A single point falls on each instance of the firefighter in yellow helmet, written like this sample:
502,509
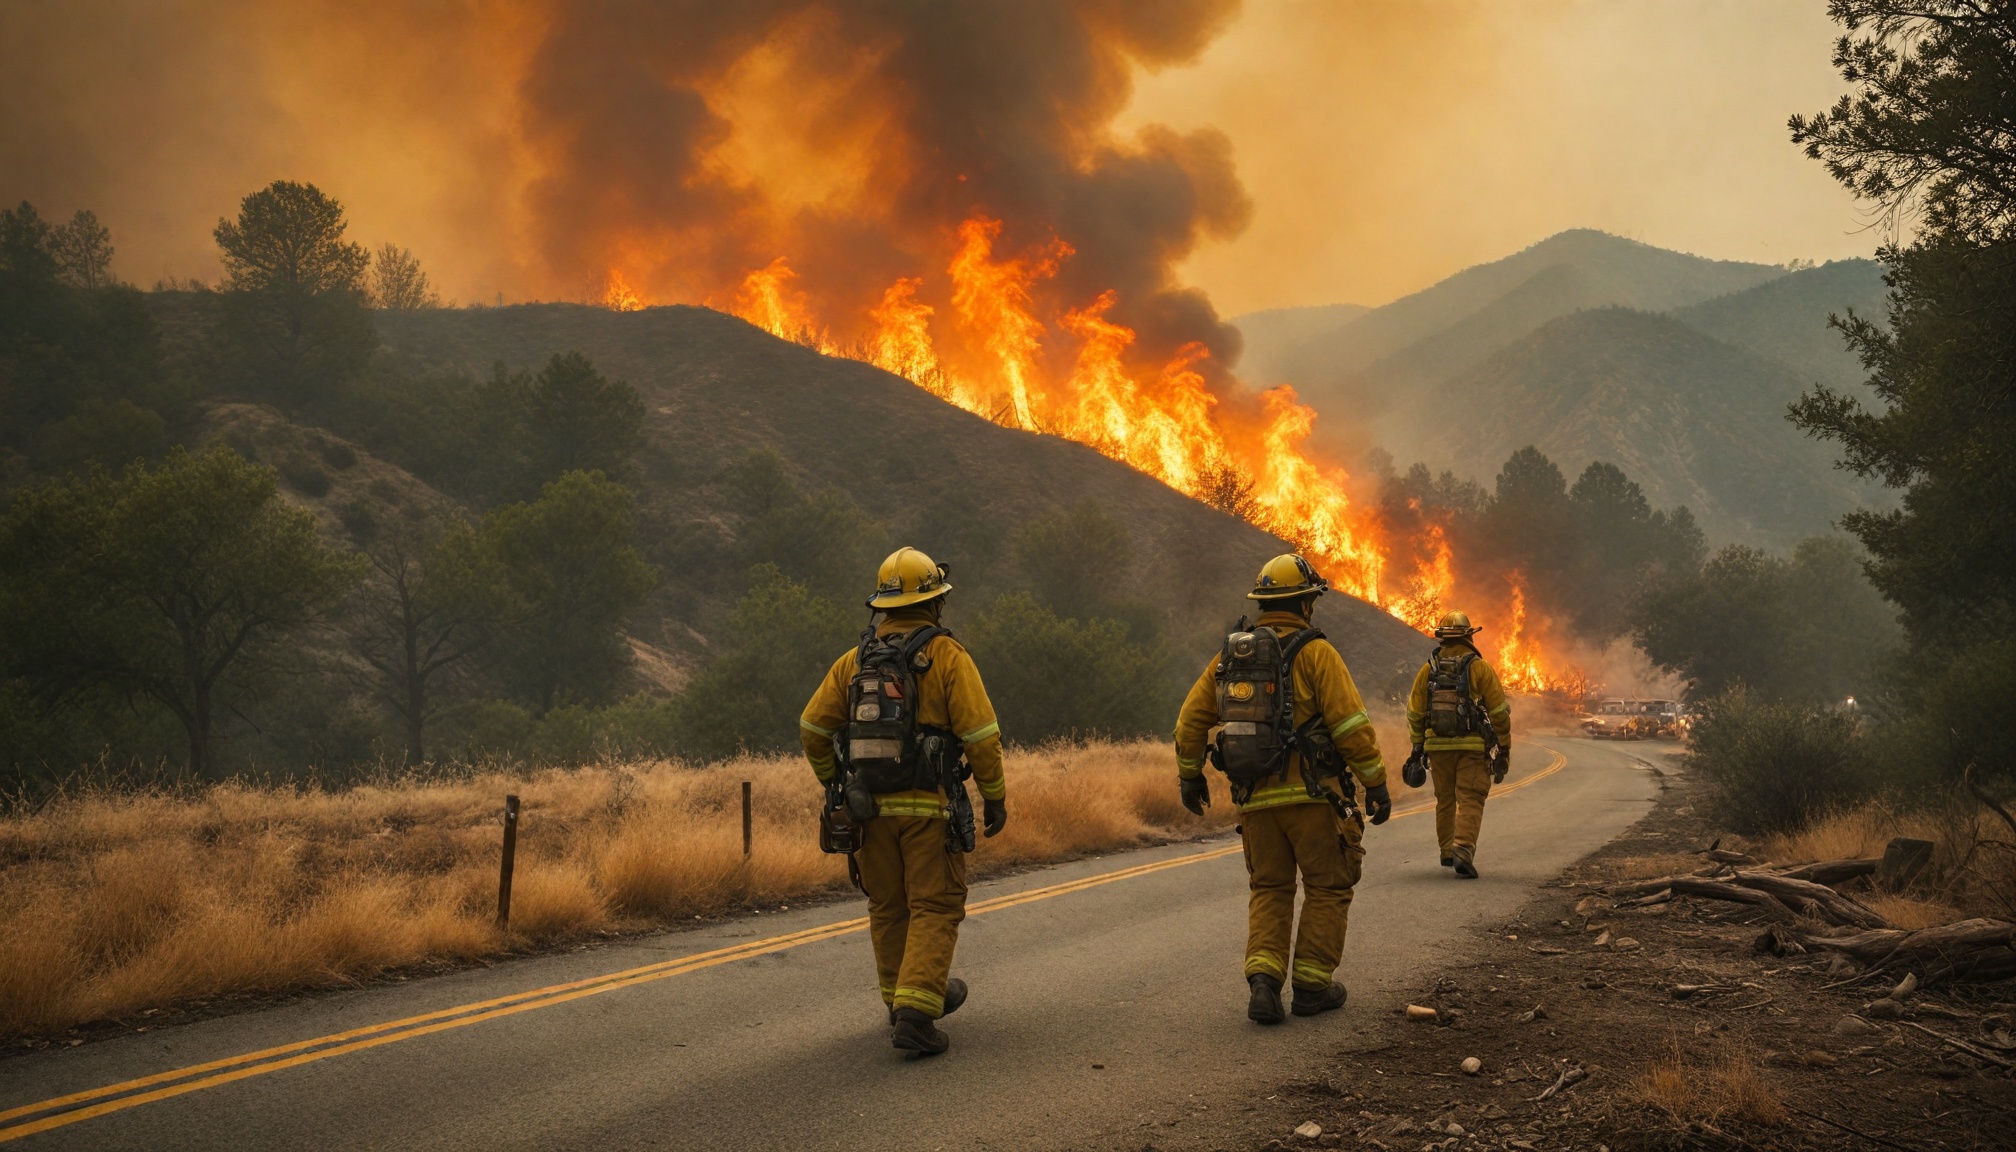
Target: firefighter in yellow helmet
1461,723
1291,735
894,729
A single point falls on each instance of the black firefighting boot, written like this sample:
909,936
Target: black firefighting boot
1466,864
955,995
1265,1005
914,1032
1310,1001
1448,861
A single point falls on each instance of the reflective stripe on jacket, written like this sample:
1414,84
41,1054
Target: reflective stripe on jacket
949,696
1322,685
1484,686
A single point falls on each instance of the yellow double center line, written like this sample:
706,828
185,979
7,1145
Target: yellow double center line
62,1110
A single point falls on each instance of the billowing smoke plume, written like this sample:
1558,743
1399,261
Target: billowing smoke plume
685,145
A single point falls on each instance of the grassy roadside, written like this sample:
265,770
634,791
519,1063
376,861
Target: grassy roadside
115,904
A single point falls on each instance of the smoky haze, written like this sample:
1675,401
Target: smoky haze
535,149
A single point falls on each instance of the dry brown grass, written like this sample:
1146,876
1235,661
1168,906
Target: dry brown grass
1727,1086
111,904
1973,869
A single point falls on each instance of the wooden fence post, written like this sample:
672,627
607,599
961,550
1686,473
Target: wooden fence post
504,866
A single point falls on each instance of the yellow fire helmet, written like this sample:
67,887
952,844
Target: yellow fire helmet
908,577
1454,625
1286,577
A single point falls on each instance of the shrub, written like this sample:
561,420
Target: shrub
304,476
1774,766
337,454
1050,677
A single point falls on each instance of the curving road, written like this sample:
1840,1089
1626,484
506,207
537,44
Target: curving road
1106,996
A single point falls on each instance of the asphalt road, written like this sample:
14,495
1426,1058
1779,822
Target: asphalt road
1099,1005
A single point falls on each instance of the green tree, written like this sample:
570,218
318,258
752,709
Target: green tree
1925,135
823,540
1076,559
80,368
1620,541
1052,677
156,583
1809,628
83,251
568,559
430,605
781,639
398,283
577,420
294,292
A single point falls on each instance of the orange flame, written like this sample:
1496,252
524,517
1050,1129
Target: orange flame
618,295
1163,421
769,301
1434,577
993,300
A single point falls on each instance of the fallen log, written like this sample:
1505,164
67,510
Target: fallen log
1832,872
1723,890
1977,951
1830,905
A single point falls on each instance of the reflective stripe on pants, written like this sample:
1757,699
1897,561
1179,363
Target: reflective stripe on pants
1280,841
916,898
1462,781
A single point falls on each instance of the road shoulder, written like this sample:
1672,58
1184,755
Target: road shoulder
1571,983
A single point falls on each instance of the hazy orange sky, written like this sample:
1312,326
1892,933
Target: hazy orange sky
1383,145
1388,145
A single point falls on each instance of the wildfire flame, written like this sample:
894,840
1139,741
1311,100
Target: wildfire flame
1521,664
619,297
1162,421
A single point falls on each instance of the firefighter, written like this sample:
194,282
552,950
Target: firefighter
1290,821
1458,716
912,867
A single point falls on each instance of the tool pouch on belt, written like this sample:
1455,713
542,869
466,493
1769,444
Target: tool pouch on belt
1320,762
944,749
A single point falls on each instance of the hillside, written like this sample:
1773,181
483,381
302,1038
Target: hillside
1692,419
1786,319
931,474
1506,298
1277,332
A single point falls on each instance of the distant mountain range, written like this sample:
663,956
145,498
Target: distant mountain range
1592,347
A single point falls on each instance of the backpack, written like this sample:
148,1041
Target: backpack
1256,702
883,746
1452,710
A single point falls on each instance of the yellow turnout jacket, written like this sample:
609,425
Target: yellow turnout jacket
1484,686
1322,686
949,695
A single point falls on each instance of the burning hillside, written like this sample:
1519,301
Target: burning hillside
939,190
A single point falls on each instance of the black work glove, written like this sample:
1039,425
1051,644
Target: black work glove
1501,765
1196,792
1379,803
995,813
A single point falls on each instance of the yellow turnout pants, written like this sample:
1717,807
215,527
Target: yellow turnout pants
1462,781
916,890
1326,850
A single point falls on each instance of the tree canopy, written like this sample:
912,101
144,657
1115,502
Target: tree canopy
295,292
157,582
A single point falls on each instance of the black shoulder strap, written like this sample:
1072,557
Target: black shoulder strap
1292,647
915,641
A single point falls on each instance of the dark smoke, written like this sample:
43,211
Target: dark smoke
994,106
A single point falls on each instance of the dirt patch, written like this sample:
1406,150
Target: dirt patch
1652,1028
